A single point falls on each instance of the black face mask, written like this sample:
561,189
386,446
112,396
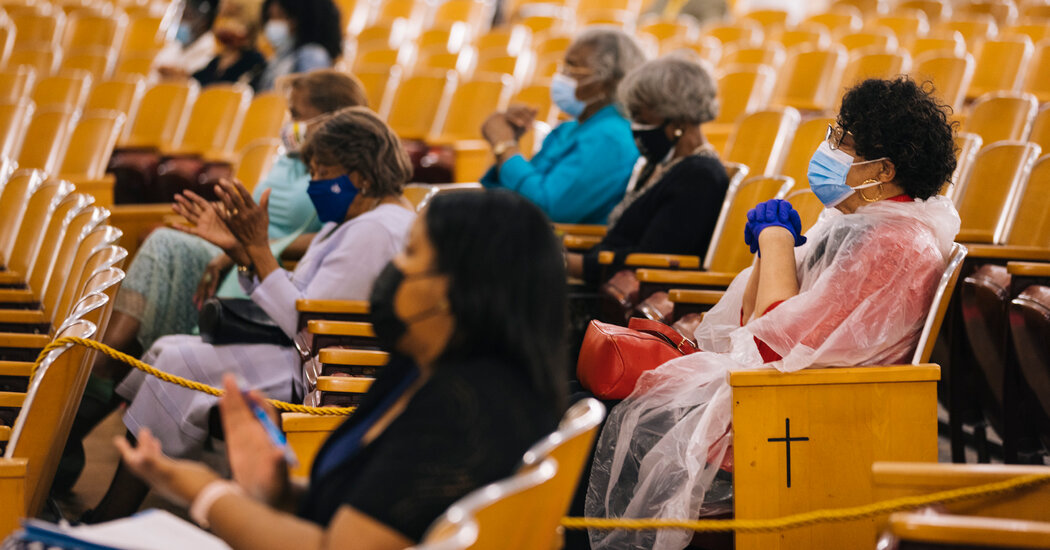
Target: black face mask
389,328
653,143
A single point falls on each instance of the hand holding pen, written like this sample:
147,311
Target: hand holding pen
258,451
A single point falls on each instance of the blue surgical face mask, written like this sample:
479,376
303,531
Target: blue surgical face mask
279,35
827,174
563,93
332,197
184,34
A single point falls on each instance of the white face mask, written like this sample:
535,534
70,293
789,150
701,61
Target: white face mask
278,34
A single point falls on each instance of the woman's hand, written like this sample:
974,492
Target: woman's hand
177,480
496,129
772,213
248,222
206,224
521,118
213,274
257,464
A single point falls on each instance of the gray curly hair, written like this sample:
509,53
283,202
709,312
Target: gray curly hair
674,87
616,53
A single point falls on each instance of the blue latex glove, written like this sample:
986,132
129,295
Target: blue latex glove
774,212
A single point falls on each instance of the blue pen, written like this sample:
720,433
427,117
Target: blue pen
275,433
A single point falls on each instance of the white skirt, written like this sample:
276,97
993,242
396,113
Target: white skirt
178,416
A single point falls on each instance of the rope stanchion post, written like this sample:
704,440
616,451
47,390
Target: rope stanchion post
177,380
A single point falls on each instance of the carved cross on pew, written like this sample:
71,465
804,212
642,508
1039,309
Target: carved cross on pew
787,439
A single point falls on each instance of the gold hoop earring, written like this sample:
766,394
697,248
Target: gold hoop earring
877,197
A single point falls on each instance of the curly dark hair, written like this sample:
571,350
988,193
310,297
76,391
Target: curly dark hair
316,22
901,120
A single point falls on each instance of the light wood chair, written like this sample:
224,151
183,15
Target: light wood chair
1040,134
214,120
810,78
761,139
742,89
968,144
988,197
807,440
90,146
14,198
883,38
47,138
263,119
16,82
743,32
255,160
119,93
42,204
1002,116
1001,65
14,118
1038,81
161,116
458,125
37,273
907,24
950,73
39,434
418,101
934,10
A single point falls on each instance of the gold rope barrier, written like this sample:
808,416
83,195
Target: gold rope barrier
739,525
816,516
178,380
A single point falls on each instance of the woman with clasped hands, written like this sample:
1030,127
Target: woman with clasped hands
855,290
474,310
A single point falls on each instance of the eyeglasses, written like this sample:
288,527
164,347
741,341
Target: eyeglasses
835,135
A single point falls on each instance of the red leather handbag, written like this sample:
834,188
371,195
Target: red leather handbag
613,357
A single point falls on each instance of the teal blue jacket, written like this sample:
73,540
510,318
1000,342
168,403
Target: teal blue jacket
581,172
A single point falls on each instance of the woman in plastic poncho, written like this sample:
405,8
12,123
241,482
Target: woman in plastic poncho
855,291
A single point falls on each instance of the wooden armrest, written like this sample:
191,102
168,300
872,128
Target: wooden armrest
303,422
835,375
947,531
18,340
344,384
1008,252
12,399
684,277
580,229
580,242
16,296
16,368
23,316
1028,269
976,236
11,278
5,433
341,328
139,212
13,472
332,306
606,257
706,297
675,261
355,357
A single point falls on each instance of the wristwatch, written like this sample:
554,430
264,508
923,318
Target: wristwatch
246,270
501,147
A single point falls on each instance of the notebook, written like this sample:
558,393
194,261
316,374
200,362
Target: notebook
148,530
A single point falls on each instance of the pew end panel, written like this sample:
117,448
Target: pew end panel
306,433
806,440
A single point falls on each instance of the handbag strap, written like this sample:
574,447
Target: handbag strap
656,328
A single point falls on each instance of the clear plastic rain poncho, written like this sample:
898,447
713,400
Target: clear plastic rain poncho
866,283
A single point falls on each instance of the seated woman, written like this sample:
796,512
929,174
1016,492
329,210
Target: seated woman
358,169
174,272
475,309
677,188
305,35
580,173
236,30
855,293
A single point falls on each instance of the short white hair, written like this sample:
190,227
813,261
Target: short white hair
616,53
674,87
